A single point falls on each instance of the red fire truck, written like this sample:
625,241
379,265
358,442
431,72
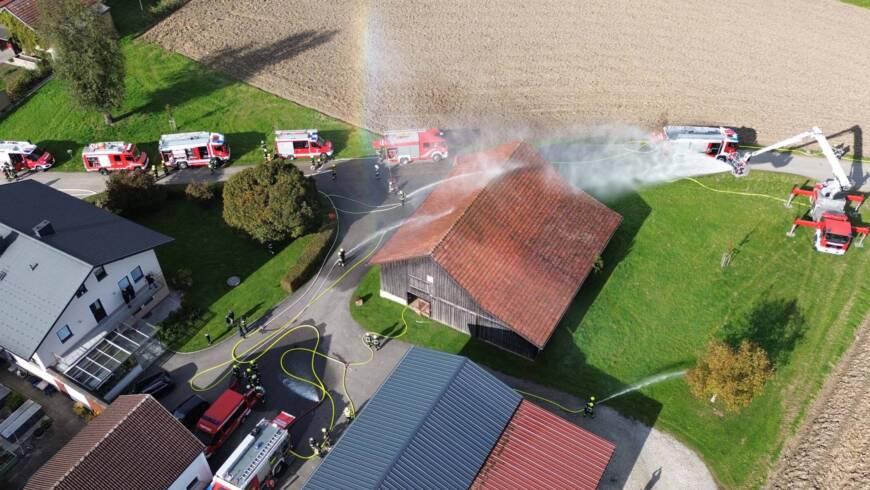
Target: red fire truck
109,156
717,142
304,143
198,149
261,457
23,156
401,147
224,416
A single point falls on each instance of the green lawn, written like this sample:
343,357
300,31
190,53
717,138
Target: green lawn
860,3
214,252
663,295
201,100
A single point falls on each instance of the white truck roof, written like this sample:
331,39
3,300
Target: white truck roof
252,454
106,147
295,134
403,136
25,147
698,132
189,140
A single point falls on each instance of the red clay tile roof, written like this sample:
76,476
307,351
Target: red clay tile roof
135,444
539,450
27,11
512,233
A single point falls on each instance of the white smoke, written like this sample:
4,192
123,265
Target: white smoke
609,160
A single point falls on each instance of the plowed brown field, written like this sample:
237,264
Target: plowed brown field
778,66
832,449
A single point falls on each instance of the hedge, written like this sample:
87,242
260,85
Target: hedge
301,271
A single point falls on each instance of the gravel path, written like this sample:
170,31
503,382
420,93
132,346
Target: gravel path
777,66
831,449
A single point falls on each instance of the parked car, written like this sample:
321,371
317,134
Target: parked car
156,385
189,411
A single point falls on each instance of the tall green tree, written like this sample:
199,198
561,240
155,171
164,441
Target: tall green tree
271,202
88,59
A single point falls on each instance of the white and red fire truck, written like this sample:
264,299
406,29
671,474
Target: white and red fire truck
303,143
23,156
198,149
717,142
401,147
110,156
261,457
831,202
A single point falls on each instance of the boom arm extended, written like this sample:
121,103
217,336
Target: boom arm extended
830,155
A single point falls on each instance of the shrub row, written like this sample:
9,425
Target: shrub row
301,271
165,7
18,86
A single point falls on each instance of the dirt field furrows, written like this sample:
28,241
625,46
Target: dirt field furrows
778,66
832,449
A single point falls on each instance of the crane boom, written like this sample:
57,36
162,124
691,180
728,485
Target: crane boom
815,133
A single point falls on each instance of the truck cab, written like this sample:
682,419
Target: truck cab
23,156
223,417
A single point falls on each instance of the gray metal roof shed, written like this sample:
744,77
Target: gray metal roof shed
432,424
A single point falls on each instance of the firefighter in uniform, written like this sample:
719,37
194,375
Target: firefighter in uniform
589,409
341,257
333,172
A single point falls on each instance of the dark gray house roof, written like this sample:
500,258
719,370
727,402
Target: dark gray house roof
432,424
40,275
82,230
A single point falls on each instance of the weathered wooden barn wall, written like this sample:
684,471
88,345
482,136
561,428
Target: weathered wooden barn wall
451,304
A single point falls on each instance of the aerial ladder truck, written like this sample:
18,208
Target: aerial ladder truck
831,202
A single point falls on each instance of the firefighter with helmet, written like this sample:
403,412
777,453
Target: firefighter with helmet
589,409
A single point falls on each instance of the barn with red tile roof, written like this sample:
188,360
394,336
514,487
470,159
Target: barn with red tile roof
499,249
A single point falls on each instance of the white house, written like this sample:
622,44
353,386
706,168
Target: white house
135,444
75,284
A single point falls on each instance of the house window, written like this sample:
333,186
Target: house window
98,311
82,290
137,274
64,334
193,484
100,273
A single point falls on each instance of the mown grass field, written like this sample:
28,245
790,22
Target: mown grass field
199,99
663,295
214,252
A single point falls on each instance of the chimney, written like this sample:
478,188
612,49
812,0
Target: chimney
43,229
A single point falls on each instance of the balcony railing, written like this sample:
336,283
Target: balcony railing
109,352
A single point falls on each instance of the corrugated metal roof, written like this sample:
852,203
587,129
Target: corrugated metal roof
540,451
432,424
512,220
135,444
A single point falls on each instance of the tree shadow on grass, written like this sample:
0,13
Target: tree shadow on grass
191,82
775,325
63,151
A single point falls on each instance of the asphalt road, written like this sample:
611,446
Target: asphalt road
83,184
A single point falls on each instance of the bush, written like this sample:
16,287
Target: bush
199,191
179,324
181,280
301,271
165,7
83,412
14,400
271,202
131,193
734,376
18,87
